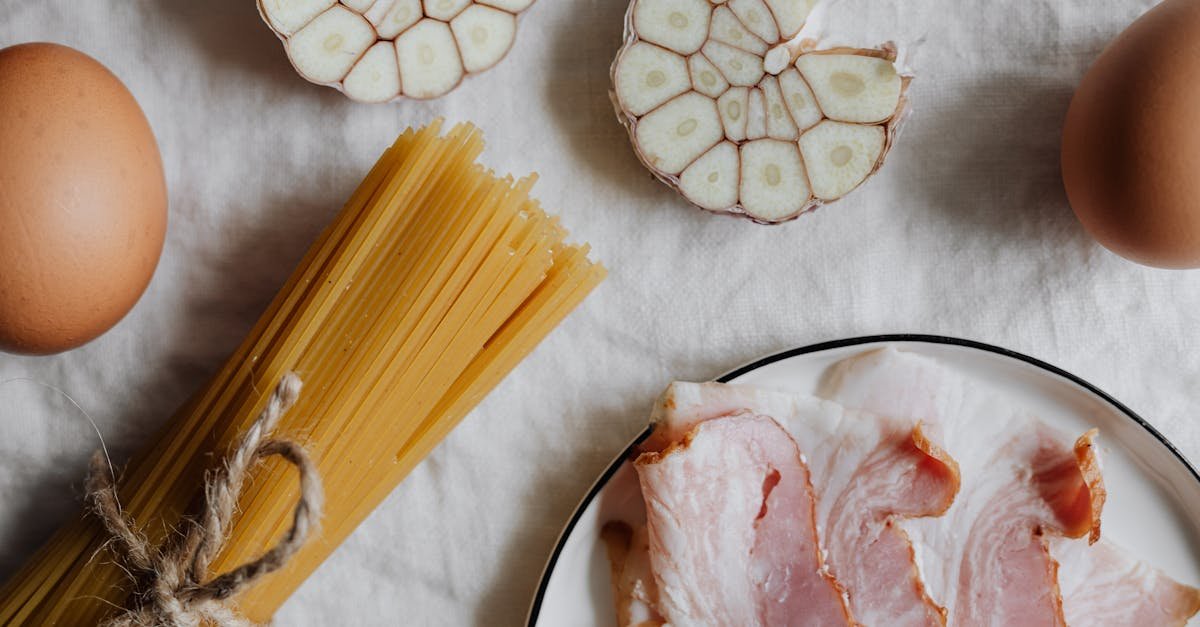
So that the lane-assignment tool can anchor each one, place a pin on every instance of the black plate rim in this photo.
(544, 581)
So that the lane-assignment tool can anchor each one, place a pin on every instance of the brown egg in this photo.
(1131, 146)
(83, 202)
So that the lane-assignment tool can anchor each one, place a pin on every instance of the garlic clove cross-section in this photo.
(712, 180)
(650, 77)
(381, 50)
(327, 48)
(726, 103)
(852, 87)
(430, 64)
(677, 133)
(376, 76)
(840, 156)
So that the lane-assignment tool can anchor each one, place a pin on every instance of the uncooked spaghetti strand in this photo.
(551, 293)
(316, 304)
(263, 531)
(447, 324)
(384, 455)
(436, 369)
(342, 389)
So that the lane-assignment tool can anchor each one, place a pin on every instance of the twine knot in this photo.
(171, 584)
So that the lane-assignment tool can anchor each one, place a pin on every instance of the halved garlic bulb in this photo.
(728, 105)
(381, 50)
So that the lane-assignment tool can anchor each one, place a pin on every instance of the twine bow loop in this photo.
(171, 583)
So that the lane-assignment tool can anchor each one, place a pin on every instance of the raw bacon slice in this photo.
(1004, 552)
(732, 537)
(865, 491)
(1006, 575)
(868, 472)
(1104, 585)
(987, 559)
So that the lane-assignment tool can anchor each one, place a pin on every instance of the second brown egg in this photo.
(1131, 145)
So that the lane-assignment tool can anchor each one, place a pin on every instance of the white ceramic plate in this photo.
(1153, 505)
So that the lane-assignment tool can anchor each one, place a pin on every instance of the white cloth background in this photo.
(965, 232)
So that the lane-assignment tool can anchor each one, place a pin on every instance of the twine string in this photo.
(171, 584)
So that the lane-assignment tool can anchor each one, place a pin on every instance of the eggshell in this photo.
(83, 202)
(1131, 145)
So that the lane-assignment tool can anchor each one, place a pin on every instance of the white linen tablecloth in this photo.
(964, 232)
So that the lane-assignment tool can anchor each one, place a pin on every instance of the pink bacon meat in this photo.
(1105, 585)
(1010, 550)
(729, 510)
(867, 472)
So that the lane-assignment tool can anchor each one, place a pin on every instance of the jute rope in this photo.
(171, 588)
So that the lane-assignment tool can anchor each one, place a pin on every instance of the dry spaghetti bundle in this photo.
(433, 282)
